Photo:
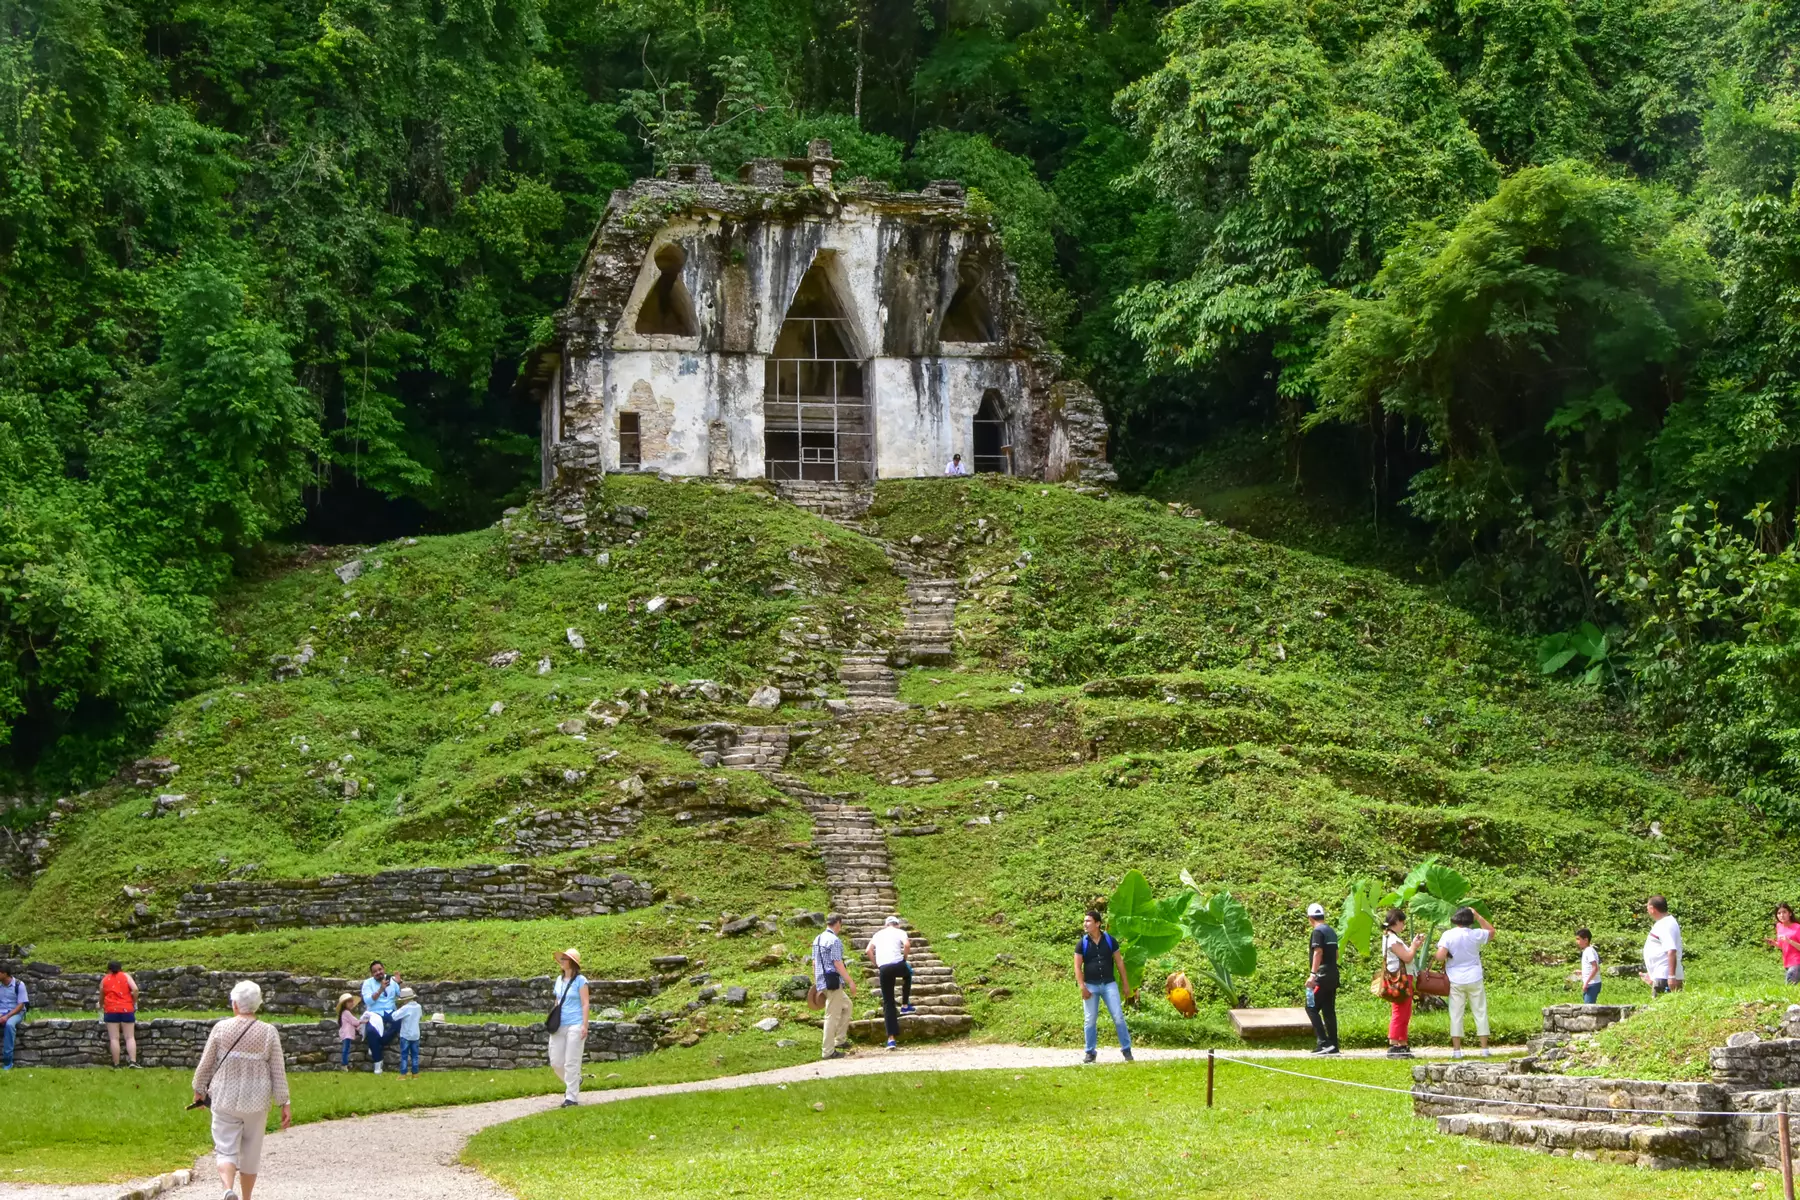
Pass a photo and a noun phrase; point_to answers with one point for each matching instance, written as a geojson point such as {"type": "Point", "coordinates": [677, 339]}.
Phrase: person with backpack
{"type": "Point", "coordinates": [1100, 974]}
{"type": "Point", "coordinates": [567, 1024]}
{"type": "Point", "coordinates": [831, 978]}
{"type": "Point", "coordinates": [118, 1009]}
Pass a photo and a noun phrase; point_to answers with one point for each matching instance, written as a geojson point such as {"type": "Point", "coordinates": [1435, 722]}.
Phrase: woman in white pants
{"type": "Point", "coordinates": [1460, 950]}
{"type": "Point", "coordinates": [242, 1072]}
{"type": "Point", "coordinates": [570, 1039]}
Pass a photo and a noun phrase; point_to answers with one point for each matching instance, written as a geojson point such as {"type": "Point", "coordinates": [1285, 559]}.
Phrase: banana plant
{"type": "Point", "coordinates": [1145, 926]}
{"type": "Point", "coordinates": [1220, 924]}
{"type": "Point", "coordinates": [1430, 893]}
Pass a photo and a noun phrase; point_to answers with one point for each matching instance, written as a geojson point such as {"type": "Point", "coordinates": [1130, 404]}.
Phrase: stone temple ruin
{"type": "Point", "coordinates": [802, 332]}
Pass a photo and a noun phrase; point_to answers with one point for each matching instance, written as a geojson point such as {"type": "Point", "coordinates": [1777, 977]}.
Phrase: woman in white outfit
{"type": "Point", "coordinates": [570, 991]}
{"type": "Point", "coordinates": [243, 1073]}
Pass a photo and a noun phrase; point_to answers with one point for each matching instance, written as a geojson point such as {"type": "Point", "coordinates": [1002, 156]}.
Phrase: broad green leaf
{"type": "Point", "coordinates": [1445, 883]}
{"type": "Point", "coordinates": [1135, 957]}
{"type": "Point", "coordinates": [1131, 898]}
{"type": "Point", "coordinates": [1153, 935]}
{"type": "Point", "coordinates": [1555, 662]}
{"type": "Point", "coordinates": [1357, 926]}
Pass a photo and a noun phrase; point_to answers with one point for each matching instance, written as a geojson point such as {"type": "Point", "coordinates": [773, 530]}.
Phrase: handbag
{"type": "Point", "coordinates": [205, 1100]}
{"type": "Point", "coordinates": [553, 1020]}
{"type": "Point", "coordinates": [1433, 983]}
{"type": "Point", "coordinates": [1392, 986]}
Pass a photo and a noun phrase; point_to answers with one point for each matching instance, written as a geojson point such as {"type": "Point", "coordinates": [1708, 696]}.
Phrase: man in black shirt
{"type": "Point", "coordinates": [1322, 983]}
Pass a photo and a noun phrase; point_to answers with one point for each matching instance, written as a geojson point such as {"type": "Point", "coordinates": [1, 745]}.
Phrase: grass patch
{"type": "Point", "coordinates": [73, 1126]}
{"type": "Point", "coordinates": [1669, 1037]}
{"type": "Point", "coordinates": [1080, 1133]}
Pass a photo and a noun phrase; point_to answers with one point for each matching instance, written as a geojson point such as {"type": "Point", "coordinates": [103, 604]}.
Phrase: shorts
{"type": "Point", "coordinates": [238, 1138]}
{"type": "Point", "coordinates": [129, 1018]}
{"type": "Point", "coordinates": [1659, 987]}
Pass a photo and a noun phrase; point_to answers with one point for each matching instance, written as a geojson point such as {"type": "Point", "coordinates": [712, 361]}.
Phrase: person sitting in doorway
{"type": "Point", "coordinates": [955, 466]}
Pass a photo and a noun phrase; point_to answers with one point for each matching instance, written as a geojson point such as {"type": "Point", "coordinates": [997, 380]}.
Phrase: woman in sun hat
{"type": "Point", "coordinates": [349, 1026]}
{"type": "Point", "coordinates": [569, 1040]}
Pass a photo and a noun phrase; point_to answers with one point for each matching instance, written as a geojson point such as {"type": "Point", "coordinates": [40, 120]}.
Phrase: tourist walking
{"type": "Point", "coordinates": [1590, 967]}
{"type": "Point", "coordinates": [568, 1040]}
{"type": "Point", "coordinates": [14, 1000]}
{"type": "Point", "coordinates": [1460, 950]}
{"type": "Point", "coordinates": [349, 1026]}
{"type": "Point", "coordinates": [1400, 964]}
{"type": "Point", "coordinates": [1662, 949]}
{"type": "Point", "coordinates": [1322, 981]}
{"type": "Point", "coordinates": [888, 950]}
{"type": "Point", "coordinates": [380, 993]}
{"type": "Point", "coordinates": [407, 1016]}
{"type": "Point", "coordinates": [118, 1010]}
{"type": "Point", "coordinates": [1787, 940]}
{"type": "Point", "coordinates": [1100, 974]}
{"type": "Point", "coordinates": [241, 1073]}
{"type": "Point", "coordinates": [831, 976]}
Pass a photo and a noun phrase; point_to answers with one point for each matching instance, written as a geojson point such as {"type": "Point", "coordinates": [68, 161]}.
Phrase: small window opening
{"type": "Point", "coordinates": [631, 442]}
{"type": "Point", "coordinates": [991, 451]}
{"type": "Point", "coordinates": [668, 309]}
{"type": "Point", "coordinates": [969, 317]}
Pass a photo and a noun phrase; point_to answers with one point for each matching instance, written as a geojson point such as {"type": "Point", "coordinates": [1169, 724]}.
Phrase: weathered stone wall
{"type": "Point", "coordinates": [1757, 1138]}
{"type": "Point", "coordinates": [196, 988]}
{"type": "Point", "coordinates": [1756, 1065]}
{"type": "Point", "coordinates": [511, 892]}
{"type": "Point", "coordinates": [1584, 1018]}
{"type": "Point", "coordinates": [1529, 1095]}
{"type": "Point", "coordinates": [177, 1042]}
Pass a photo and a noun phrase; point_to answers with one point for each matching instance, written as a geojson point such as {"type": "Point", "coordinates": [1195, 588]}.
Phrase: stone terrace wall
{"type": "Point", "coordinates": [1756, 1066]}
{"type": "Point", "coordinates": [1528, 1095]}
{"type": "Point", "coordinates": [176, 1042]}
{"type": "Point", "coordinates": [178, 988]}
{"type": "Point", "coordinates": [510, 892]}
{"type": "Point", "coordinates": [1758, 1140]}
{"type": "Point", "coordinates": [1584, 1018]}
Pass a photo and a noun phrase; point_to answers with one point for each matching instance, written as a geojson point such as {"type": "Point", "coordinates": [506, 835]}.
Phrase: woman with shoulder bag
{"type": "Point", "coordinates": [1395, 984]}
{"type": "Point", "coordinates": [241, 1073]}
{"type": "Point", "coordinates": [567, 1024]}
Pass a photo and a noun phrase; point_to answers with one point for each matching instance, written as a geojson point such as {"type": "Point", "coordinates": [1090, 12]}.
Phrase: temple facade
{"type": "Point", "coordinates": [783, 326]}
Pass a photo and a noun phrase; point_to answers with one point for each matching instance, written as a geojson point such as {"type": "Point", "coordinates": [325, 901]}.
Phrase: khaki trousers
{"type": "Point", "coordinates": [837, 1020]}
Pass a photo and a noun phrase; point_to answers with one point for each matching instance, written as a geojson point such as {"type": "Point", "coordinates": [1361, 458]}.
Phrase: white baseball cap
{"type": "Point", "coordinates": [1315, 910]}
{"type": "Point", "coordinates": [893, 921]}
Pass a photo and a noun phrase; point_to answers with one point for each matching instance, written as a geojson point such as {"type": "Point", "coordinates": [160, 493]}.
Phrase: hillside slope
{"type": "Point", "coordinates": [1133, 686]}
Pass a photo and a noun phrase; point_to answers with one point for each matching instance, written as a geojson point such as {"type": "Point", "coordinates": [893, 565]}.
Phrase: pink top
{"type": "Point", "coordinates": [349, 1022]}
{"type": "Point", "coordinates": [1787, 940]}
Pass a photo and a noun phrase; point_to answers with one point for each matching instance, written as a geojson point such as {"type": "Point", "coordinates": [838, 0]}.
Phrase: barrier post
{"type": "Point", "coordinates": [1787, 1150]}
{"type": "Point", "coordinates": [1209, 1079]}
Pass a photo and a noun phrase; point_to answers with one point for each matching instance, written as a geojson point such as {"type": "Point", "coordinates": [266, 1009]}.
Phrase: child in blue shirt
{"type": "Point", "coordinates": [407, 1017]}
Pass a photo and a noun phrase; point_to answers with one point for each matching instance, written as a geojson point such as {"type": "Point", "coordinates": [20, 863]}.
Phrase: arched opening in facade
{"type": "Point", "coordinates": [991, 449]}
{"type": "Point", "coordinates": [816, 423]}
{"type": "Point", "coordinates": [970, 318]}
{"type": "Point", "coordinates": [667, 308]}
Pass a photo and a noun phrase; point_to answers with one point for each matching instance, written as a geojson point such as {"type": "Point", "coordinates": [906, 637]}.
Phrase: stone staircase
{"type": "Point", "coordinates": [844, 504]}
{"type": "Point", "coordinates": [860, 881]}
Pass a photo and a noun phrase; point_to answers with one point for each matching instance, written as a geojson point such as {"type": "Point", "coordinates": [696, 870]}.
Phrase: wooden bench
{"type": "Point", "coordinates": [1260, 1024]}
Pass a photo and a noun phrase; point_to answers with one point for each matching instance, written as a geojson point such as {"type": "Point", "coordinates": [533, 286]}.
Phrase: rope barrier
{"type": "Point", "coordinates": [1451, 1098]}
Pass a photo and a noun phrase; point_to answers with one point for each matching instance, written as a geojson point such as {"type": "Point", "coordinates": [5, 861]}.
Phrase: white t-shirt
{"type": "Point", "coordinates": [1590, 966]}
{"type": "Point", "coordinates": [1394, 965]}
{"type": "Point", "coordinates": [889, 945]}
{"type": "Point", "coordinates": [1464, 963]}
{"type": "Point", "coordinates": [1665, 936]}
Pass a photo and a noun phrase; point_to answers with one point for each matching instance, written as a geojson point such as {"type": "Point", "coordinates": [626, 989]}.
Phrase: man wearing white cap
{"type": "Point", "coordinates": [1322, 983]}
{"type": "Point", "coordinates": [888, 950]}
{"type": "Point", "coordinates": [568, 1024]}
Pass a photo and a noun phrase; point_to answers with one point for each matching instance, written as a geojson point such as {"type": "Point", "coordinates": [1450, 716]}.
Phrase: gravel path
{"type": "Point", "coordinates": [329, 1160]}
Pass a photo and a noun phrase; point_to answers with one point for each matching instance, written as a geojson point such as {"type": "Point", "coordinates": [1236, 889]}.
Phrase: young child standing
{"type": "Point", "coordinates": [349, 1026]}
{"type": "Point", "coordinates": [1590, 967]}
{"type": "Point", "coordinates": [407, 1015]}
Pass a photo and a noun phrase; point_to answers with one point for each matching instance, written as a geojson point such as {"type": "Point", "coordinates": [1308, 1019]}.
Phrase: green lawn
{"type": "Point", "coordinates": [83, 1126]}
{"type": "Point", "coordinates": [1082, 1133]}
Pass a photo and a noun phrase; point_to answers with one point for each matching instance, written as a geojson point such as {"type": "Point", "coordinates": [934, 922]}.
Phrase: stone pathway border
{"type": "Point", "coordinates": [329, 1160]}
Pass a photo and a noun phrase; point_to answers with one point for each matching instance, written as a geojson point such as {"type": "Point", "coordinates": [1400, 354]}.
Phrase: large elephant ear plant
{"type": "Point", "coordinates": [1431, 893]}
{"type": "Point", "coordinates": [1145, 926]}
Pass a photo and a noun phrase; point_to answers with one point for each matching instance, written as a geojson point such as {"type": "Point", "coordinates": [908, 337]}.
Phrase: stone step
{"type": "Point", "coordinates": [1654, 1146]}
{"type": "Point", "coordinates": [913, 1027]}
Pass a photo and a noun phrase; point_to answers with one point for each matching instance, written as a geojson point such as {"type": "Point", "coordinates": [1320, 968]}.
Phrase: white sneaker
{"type": "Point", "coordinates": [1456, 1054]}
{"type": "Point", "coordinates": [378, 1068]}
{"type": "Point", "coordinates": [1486, 1053]}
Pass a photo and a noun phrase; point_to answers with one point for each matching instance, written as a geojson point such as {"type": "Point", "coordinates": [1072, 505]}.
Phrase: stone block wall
{"type": "Point", "coordinates": [177, 1042]}
{"type": "Point", "coordinates": [163, 988]}
{"type": "Point", "coordinates": [1584, 1018]}
{"type": "Point", "coordinates": [1439, 1089]}
{"type": "Point", "coordinates": [1757, 1136]}
{"type": "Point", "coordinates": [1756, 1066]}
{"type": "Point", "coordinates": [512, 892]}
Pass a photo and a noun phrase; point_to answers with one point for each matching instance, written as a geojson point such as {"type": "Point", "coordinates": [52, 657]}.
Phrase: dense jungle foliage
{"type": "Point", "coordinates": [1521, 276]}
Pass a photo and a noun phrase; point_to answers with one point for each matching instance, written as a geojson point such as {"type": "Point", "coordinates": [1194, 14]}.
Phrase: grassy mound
{"type": "Point", "coordinates": [1670, 1037]}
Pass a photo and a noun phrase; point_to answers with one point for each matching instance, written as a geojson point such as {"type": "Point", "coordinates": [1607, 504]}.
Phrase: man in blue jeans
{"type": "Point", "coordinates": [380, 992]}
{"type": "Point", "coordinates": [13, 999]}
{"type": "Point", "coordinates": [1100, 974]}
